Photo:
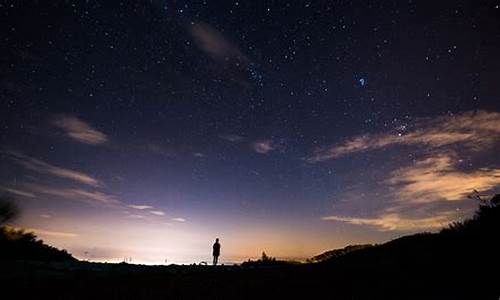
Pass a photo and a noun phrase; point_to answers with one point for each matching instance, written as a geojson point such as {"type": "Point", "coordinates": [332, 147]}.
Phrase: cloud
{"type": "Point", "coordinates": [396, 222]}
{"type": "Point", "coordinates": [46, 168]}
{"type": "Point", "coordinates": [147, 207]}
{"type": "Point", "coordinates": [231, 137]}
{"type": "Point", "coordinates": [426, 193]}
{"type": "Point", "coordinates": [79, 130]}
{"type": "Point", "coordinates": [438, 178]}
{"type": "Point", "coordinates": [133, 216]}
{"type": "Point", "coordinates": [45, 216]}
{"type": "Point", "coordinates": [263, 146]}
{"type": "Point", "coordinates": [74, 194]}
{"type": "Point", "coordinates": [212, 42]}
{"type": "Point", "coordinates": [49, 233]}
{"type": "Point", "coordinates": [227, 60]}
{"type": "Point", "coordinates": [42, 233]}
{"type": "Point", "coordinates": [18, 192]}
{"type": "Point", "coordinates": [473, 130]}
{"type": "Point", "coordinates": [157, 212]}
{"type": "Point", "coordinates": [95, 195]}
{"type": "Point", "coordinates": [179, 219]}
{"type": "Point", "coordinates": [198, 154]}
{"type": "Point", "coordinates": [140, 206]}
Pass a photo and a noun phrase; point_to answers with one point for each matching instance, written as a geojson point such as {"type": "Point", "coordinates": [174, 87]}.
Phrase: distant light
{"type": "Point", "coordinates": [362, 81]}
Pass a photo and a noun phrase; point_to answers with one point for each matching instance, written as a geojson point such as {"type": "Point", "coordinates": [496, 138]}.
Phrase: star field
{"type": "Point", "coordinates": [148, 128]}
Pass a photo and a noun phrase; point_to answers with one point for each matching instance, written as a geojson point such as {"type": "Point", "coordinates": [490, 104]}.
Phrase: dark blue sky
{"type": "Point", "coordinates": [286, 126]}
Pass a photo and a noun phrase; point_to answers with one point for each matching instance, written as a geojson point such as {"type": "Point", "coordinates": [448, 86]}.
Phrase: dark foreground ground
{"type": "Point", "coordinates": [29, 280]}
{"type": "Point", "coordinates": [462, 261]}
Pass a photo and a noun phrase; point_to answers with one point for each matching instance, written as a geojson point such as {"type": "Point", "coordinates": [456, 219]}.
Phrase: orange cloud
{"type": "Point", "coordinates": [474, 130]}
{"type": "Point", "coordinates": [79, 130]}
{"type": "Point", "coordinates": [437, 178]}
{"type": "Point", "coordinates": [44, 233]}
{"type": "Point", "coordinates": [432, 180]}
{"type": "Point", "coordinates": [396, 222]}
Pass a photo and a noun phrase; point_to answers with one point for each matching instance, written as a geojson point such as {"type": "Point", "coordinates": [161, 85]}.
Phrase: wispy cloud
{"type": "Point", "coordinates": [79, 130]}
{"type": "Point", "coordinates": [198, 154]}
{"type": "Point", "coordinates": [134, 216]}
{"type": "Point", "coordinates": [149, 208]}
{"type": "Point", "coordinates": [474, 130]}
{"type": "Point", "coordinates": [231, 137]}
{"type": "Point", "coordinates": [61, 234]}
{"type": "Point", "coordinates": [140, 206]}
{"type": "Point", "coordinates": [157, 212]}
{"type": "Point", "coordinates": [96, 196]}
{"type": "Point", "coordinates": [396, 222]}
{"type": "Point", "coordinates": [46, 168]}
{"type": "Point", "coordinates": [212, 42]}
{"type": "Point", "coordinates": [44, 233]}
{"type": "Point", "coordinates": [419, 195]}
{"type": "Point", "coordinates": [263, 146]}
{"type": "Point", "coordinates": [17, 192]}
{"type": "Point", "coordinates": [179, 219]}
{"type": "Point", "coordinates": [228, 61]}
{"type": "Point", "coordinates": [438, 178]}
{"type": "Point", "coordinates": [45, 216]}
{"type": "Point", "coordinates": [438, 174]}
{"type": "Point", "coordinates": [74, 194]}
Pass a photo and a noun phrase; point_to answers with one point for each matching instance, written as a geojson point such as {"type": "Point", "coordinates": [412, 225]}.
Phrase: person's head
{"type": "Point", "coordinates": [217, 240]}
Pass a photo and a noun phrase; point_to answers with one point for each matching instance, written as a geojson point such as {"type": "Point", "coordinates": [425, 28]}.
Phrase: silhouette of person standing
{"type": "Point", "coordinates": [216, 251]}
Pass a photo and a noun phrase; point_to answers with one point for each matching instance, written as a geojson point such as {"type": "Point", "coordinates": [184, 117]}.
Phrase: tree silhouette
{"type": "Point", "coordinates": [266, 258]}
{"type": "Point", "coordinates": [8, 210]}
{"type": "Point", "coordinates": [17, 244]}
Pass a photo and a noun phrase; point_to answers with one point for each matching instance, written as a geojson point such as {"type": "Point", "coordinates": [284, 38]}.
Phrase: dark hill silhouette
{"type": "Point", "coordinates": [460, 240]}
{"type": "Point", "coordinates": [16, 244]}
{"type": "Point", "coordinates": [459, 262]}
{"type": "Point", "coordinates": [332, 254]}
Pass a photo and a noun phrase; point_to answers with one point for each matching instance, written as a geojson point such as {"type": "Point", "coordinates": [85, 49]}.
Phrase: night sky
{"type": "Point", "coordinates": [146, 129]}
